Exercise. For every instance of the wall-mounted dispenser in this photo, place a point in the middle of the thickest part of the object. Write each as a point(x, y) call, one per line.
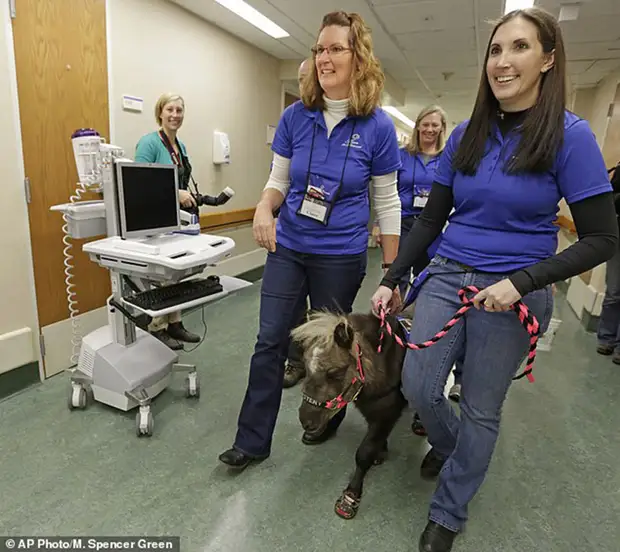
point(221, 148)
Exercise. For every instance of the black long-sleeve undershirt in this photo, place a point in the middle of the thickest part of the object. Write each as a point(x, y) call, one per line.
point(595, 220)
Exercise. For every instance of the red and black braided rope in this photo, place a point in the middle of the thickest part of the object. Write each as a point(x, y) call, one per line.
point(526, 317)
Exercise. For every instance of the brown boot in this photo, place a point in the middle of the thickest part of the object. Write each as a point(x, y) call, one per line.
point(177, 331)
point(294, 372)
point(167, 340)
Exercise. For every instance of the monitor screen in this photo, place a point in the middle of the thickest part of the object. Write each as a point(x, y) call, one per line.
point(148, 197)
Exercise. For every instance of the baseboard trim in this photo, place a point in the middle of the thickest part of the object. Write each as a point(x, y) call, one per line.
point(240, 264)
point(589, 321)
point(253, 275)
point(16, 349)
point(19, 379)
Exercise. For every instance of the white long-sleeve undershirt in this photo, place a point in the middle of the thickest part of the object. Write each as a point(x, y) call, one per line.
point(384, 188)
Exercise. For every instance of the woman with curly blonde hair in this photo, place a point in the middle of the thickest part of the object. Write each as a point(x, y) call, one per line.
point(330, 148)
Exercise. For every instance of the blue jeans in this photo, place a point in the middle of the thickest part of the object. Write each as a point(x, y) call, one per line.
point(294, 350)
point(609, 324)
point(332, 282)
point(492, 346)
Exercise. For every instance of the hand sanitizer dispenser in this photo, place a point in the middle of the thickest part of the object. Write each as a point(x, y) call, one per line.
point(221, 148)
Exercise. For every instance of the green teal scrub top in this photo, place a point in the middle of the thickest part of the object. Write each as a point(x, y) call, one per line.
point(150, 149)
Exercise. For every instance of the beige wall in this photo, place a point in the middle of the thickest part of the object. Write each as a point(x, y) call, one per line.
point(227, 84)
point(604, 96)
point(586, 294)
point(18, 321)
point(584, 102)
point(592, 104)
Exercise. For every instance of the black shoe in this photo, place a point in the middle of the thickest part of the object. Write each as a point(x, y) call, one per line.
point(431, 465)
point(294, 372)
point(455, 393)
point(236, 459)
point(436, 538)
point(177, 331)
point(167, 340)
point(311, 439)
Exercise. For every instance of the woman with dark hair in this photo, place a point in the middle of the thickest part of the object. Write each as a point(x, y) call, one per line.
point(503, 172)
point(333, 151)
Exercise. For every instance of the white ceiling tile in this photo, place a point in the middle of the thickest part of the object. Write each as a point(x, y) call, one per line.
point(427, 16)
point(577, 67)
point(392, 2)
point(419, 41)
point(605, 66)
point(440, 40)
point(593, 51)
point(601, 29)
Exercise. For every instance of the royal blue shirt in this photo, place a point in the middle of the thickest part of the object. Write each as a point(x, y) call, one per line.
point(503, 223)
point(373, 151)
point(415, 180)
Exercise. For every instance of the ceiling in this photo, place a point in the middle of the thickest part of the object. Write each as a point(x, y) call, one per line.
point(431, 48)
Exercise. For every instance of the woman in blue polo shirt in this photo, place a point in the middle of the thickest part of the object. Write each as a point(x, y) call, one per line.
point(163, 146)
point(329, 149)
point(503, 172)
point(419, 160)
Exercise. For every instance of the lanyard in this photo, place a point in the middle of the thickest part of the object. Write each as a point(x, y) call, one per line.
point(175, 158)
point(345, 159)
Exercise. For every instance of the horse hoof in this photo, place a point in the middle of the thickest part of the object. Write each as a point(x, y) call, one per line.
point(347, 505)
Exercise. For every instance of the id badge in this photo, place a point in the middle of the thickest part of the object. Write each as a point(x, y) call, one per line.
point(318, 199)
point(420, 197)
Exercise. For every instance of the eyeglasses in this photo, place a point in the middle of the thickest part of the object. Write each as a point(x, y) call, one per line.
point(332, 51)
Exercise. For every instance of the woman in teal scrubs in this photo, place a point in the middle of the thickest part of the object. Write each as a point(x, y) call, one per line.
point(163, 146)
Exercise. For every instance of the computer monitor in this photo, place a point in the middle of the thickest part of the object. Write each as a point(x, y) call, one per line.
point(148, 199)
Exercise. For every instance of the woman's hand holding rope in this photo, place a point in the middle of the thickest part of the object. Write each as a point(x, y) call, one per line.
point(499, 297)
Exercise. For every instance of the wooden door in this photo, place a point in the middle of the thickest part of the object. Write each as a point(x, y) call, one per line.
point(62, 82)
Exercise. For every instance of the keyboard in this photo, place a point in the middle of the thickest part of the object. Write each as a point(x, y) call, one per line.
point(175, 294)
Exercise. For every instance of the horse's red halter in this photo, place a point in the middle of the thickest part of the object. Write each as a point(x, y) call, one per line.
point(527, 318)
point(349, 394)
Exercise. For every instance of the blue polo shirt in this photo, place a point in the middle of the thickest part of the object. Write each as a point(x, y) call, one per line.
point(415, 178)
point(373, 151)
point(503, 223)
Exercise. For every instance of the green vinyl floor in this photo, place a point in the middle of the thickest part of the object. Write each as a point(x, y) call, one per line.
point(553, 485)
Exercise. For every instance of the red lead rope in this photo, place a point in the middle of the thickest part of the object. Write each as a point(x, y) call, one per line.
point(527, 318)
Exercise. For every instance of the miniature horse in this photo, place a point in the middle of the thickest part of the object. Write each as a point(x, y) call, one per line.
point(343, 366)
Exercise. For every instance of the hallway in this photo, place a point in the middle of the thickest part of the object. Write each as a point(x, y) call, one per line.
point(553, 483)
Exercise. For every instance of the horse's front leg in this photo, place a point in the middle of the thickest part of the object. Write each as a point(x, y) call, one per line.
point(370, 450)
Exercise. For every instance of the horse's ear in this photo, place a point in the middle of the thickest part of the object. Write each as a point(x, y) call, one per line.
point(343, 335)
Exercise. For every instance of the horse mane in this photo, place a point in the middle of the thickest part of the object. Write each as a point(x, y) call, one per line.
point(319, 328)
